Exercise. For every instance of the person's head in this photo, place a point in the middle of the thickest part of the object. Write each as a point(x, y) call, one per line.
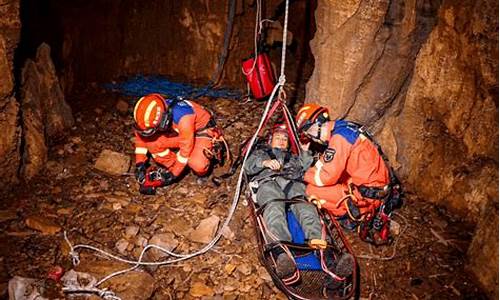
point(279, 137)
point(151, 114)
point(310, 121)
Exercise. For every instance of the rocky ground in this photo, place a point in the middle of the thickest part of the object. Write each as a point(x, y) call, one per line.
point(107, 211)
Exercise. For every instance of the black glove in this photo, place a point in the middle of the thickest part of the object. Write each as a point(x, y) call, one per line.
point(166, 177)
point(147, 190)
point(140, 172)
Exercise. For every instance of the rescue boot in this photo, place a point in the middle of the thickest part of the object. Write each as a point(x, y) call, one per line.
point(343, 267)
point(285, 266)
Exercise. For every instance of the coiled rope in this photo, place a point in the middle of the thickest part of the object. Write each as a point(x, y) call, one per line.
point(109, 295)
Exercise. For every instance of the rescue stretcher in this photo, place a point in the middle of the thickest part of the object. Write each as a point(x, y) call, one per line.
point(312, 273)
point(308, 282)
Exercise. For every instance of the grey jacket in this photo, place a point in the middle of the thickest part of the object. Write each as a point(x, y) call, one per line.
point(294, 166)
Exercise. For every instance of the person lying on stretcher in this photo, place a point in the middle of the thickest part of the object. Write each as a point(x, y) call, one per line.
point(279, 175)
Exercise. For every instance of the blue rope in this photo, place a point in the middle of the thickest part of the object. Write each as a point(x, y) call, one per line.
point(140, 85)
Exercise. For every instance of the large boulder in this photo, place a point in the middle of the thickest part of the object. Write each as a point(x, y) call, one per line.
point(422, 75)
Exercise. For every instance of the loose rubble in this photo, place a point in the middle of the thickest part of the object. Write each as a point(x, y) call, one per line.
point(104, 210)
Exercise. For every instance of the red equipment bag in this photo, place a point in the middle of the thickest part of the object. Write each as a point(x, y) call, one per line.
point(260, 76)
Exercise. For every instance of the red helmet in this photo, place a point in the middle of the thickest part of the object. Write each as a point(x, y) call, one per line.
point(309, 114)
point(151, 114)
point(279, 128)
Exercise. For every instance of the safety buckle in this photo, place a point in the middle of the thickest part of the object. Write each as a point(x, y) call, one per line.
point(318, 244)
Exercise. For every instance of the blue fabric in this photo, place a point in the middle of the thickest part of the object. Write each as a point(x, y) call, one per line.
point(306, 262)
point(180, 110)
point(347, 130)
point(140, 85)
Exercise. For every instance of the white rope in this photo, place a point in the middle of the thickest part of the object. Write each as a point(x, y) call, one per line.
point(103, 293)
point(257, 32)
point(283, 48)
point(180, 257)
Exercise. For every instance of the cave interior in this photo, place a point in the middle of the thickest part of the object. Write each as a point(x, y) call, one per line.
point(422, 74)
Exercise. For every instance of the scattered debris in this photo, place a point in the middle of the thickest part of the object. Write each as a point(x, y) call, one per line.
point(245, 269)
point(229, 268)
point(73, 193)
point(227, 233)
point(21, 288)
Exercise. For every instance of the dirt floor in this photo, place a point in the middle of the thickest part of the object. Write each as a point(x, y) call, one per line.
point(100, 210)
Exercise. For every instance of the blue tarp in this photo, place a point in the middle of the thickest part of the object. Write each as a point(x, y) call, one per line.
point(140, 85)
point(306, 262)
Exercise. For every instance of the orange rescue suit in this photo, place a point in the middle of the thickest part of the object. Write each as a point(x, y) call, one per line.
point(189, 120)
point(350, 160)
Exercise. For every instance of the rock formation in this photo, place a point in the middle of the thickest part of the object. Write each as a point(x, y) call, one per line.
point(46, 115)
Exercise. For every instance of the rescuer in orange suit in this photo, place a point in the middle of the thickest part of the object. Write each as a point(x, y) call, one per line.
point(351, 177)
point(164, 125)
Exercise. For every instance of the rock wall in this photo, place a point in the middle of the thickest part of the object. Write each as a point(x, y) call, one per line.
point(423, 75)
point(182, 40)
point(447, 129)
point(178, 39)
point(9, 108)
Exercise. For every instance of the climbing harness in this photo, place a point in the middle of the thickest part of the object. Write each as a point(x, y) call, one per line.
point(176, 256)
point(374, 225)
